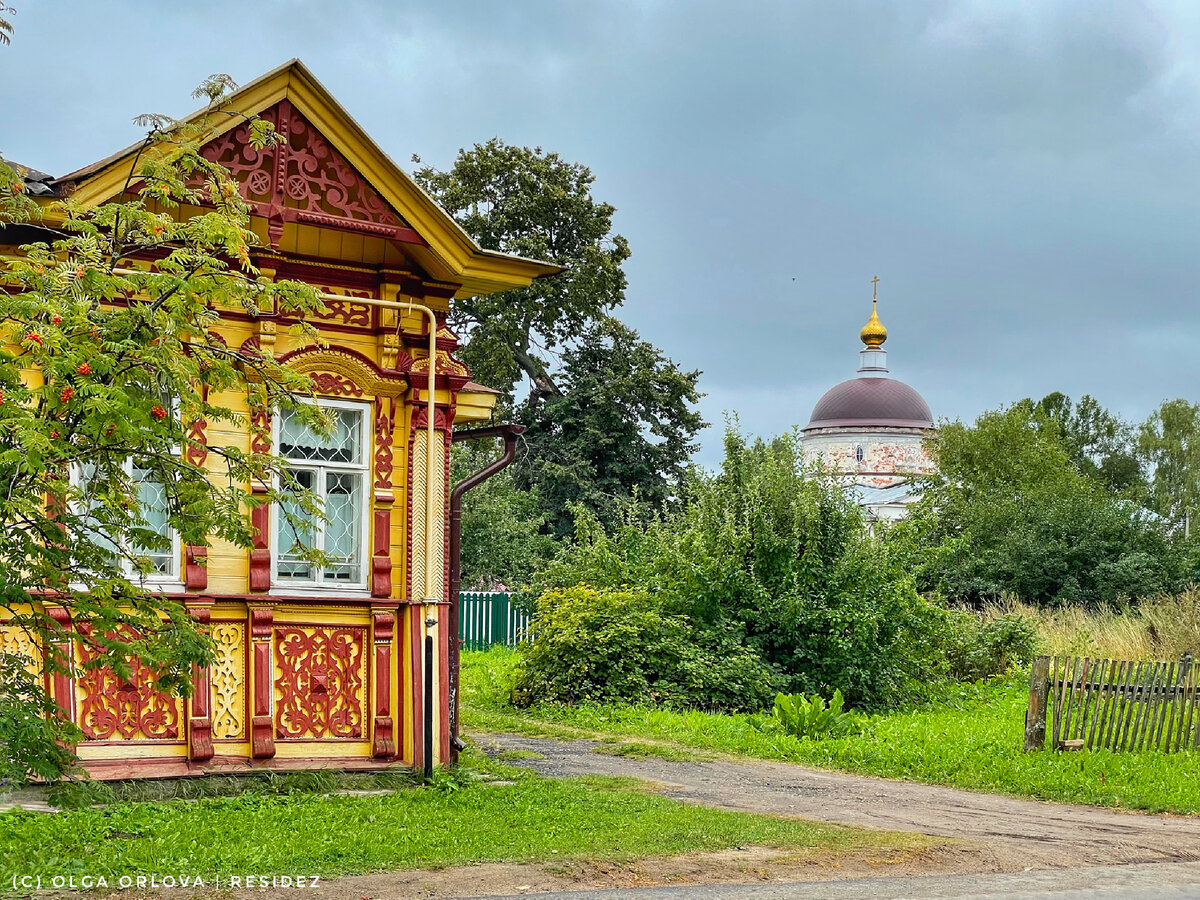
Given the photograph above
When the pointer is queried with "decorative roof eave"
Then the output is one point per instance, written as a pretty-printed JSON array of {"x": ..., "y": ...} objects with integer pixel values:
[
  {"x": 452, "y": 255},
  {"x": 869, "y": 424}
]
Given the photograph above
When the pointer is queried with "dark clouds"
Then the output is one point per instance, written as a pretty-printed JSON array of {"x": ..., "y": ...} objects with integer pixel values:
[{"x": 1022, "y": 175}]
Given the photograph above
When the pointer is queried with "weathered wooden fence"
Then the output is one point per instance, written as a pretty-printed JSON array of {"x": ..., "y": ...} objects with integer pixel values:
[
  {"x": 1117, "y": 704},
  {"x": 488, "y": 619}
]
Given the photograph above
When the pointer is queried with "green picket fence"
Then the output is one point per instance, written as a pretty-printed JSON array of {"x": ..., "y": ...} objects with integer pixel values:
[{"x": 490, "y": 619}]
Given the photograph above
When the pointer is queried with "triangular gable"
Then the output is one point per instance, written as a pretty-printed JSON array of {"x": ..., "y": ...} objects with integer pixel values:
[
  {"x": 304, "y": 178},
  {"x": 380, "y": 194}
]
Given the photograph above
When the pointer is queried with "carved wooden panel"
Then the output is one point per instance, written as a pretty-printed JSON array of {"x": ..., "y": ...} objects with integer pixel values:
[
  {"x": 321, "y": 683},
  {"x": 333, "y": 383},
  {"x": 113, "y": 708},
  {"x": 419, "y": 590},
  {"x": 228, "y": 676},
  {"x": 304, "y": 179},
  {"x": 345, "y": 312},
  {"x": 19, "y": 642}
]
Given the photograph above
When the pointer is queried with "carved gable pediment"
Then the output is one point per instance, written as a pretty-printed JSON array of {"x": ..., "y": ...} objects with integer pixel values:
[{"x": 305, "y": 179}]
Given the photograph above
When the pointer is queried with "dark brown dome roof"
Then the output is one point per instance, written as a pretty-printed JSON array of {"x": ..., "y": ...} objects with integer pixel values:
[{"x": 871, "y": 401}]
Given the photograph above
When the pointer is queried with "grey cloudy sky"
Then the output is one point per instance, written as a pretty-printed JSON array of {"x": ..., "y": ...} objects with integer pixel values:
[{"x": 1022, "y": 175}]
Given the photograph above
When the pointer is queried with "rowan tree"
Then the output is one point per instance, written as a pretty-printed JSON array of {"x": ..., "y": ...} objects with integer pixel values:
[{"x": 110, "y": 348}]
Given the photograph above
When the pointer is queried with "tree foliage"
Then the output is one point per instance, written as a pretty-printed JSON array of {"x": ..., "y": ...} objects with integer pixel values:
[
  {"x": 105, "y": 364},
  {"x": 1009, "y": 511},
  {"x": 622, "y": 428},
  {"x": 768, "y": 563},
  {"x": 1100, "y": 444},
  {"x": 1169, "y": 441},
  {"x": 503, "y": 544},
  {"x": 533, "y": 204},
  {"x": 610, "y": 418}
]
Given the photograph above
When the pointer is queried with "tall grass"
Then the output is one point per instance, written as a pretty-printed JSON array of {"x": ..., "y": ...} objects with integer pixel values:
[{"x": 1162, "y": 627}]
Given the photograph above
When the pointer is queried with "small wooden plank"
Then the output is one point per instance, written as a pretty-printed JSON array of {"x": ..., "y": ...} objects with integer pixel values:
[
  {"x": 1170, "y": 699},
  {"x": 1126, "y": 693},
  {"x": 1056, "y": 686},
  {"x": 1098, "y": 704},
  {"x": 1192, "y": 735},
  {"x": 1114, "y": 724},
  {"x": 1184, "y": 732},
  {"x": 1141, "y": 726},
  {"x": 1081, "y": 702},
  {"x": 1160, "y": 700},
  {"x": 1143, "y": 703}
]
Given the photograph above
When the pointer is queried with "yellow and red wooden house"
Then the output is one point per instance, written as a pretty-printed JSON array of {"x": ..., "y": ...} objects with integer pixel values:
[{"x": 319, "y": 666}]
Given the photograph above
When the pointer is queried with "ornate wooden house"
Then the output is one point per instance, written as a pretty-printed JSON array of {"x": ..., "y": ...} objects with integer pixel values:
[{"x": 320, "y": 666}]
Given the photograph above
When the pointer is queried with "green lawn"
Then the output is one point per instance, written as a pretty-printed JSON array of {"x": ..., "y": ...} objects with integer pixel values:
[
  {"x": 972, "y": 740},
  {"x": 531, "y": 819}
]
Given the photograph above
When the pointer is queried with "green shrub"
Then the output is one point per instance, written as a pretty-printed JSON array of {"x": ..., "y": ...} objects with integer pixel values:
[
  {"x": 766, "y": 581},
  {"x": 624, "y": 645},
  {"x": 802, "y": 716},
  {"x": 978, "y": 648}
]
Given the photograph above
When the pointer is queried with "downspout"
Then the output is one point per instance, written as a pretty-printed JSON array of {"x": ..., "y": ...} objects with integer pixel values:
[
  {"x": 509, "y": 433},
  {"x": 432, "y": 478}
]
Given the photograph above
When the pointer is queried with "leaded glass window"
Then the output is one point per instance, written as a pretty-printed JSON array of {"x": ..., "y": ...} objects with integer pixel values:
[{"x": 333, "y": 468}]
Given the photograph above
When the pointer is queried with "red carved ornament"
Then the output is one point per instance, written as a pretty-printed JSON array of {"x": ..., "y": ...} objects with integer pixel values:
[
  {"x": 320, "y": 689},
  {"x": 385, "y": 417},
  {"x": 116, "y": 708},
  {"x": 262, "y": 737},
  {"x": 331, "y": 383},
  {"x": 304, "y": 179},
  {"x": 384, "y": 744}
]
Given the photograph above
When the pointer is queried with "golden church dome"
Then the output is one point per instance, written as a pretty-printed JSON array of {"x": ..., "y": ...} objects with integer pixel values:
[{"x": 873, "y": 334}]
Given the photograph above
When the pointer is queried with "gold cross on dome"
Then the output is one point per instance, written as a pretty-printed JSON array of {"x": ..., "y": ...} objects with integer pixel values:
[{"x": 875, "y": 288}]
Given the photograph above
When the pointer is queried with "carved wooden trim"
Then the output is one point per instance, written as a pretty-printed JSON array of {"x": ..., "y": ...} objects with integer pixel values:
[
  {"x": 349, "y": 367},
  {"x": 195, "y": 568},
  {"x": 200, "y": 745},
  {"x": 384, "y": 743},
  {"x": 61, "y": 688},
  {"x": 262, "y": 728},
  {"x": 335, "y": 384}
]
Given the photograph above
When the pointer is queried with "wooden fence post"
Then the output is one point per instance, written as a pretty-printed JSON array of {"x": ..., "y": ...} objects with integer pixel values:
[{"x": 1035, "y": 716}]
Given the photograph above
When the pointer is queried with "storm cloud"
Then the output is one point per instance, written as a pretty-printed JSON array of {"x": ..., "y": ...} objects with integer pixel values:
[{"x": 1023, "y": 176}]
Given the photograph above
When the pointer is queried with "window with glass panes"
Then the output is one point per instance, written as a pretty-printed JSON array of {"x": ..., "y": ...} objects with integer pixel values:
[
  {"x": 152, "y": 497},
  {"x": 333, "y": 468}
]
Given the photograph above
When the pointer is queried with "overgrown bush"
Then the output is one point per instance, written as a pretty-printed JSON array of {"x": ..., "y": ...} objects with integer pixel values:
[
  {"x": 1009, "y": 512},
  {"x": 767, "y": 578},
  {"x": 977, "y": 648},
  {"x": 606, "y": 645}
]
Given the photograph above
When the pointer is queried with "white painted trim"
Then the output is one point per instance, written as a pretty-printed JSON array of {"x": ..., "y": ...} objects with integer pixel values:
[{"x": 319, "y": 587}]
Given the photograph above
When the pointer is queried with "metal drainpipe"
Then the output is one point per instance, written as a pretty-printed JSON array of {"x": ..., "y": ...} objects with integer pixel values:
[
  {"x": 509, "y": 433},
  {"x": 431, "y": 478}
]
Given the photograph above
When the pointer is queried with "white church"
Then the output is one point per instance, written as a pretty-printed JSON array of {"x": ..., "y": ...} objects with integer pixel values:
[{"x": 871, "y": 429}]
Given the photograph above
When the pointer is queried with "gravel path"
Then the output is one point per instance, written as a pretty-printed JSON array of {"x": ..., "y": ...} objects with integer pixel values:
[
  {"x": 1164, "y": 881},
  {"x": 1018, "y": 834}
]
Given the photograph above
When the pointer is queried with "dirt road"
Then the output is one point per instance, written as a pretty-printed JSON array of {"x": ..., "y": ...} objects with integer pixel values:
[{"x": 1011, "y": 834}]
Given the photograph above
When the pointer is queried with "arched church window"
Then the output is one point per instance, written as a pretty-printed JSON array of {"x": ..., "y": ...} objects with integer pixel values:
[{"x": 858, "y": 453}]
